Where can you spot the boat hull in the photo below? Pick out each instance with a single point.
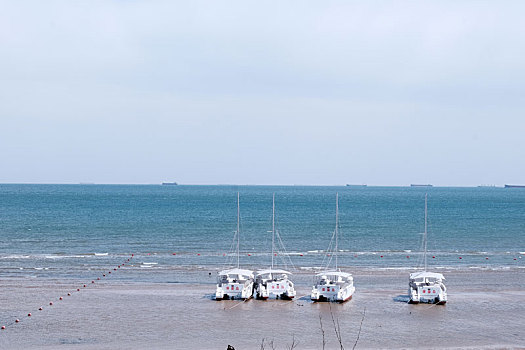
(339, 296)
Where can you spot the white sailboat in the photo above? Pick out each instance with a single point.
(235, 283)
(424, 286)
(274, 282)
(333, 285)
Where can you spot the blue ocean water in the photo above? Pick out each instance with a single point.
(64, 229)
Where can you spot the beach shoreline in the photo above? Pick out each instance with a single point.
(484, 311)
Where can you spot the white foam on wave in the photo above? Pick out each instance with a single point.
(101, 254)
(149, 263)
(16, 257)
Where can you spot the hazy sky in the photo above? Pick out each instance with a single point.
(262, 92)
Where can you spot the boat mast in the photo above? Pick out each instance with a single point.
(238, 228)
(425, 237)
(336, 226)
(273, 228)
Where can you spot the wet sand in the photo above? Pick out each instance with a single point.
(485, 310)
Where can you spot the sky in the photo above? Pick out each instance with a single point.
(262, 92)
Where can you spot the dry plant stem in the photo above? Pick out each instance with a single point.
(360, 326)
(322, 330)
(337, 329)
(294, 343)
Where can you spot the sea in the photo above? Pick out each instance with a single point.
(95, 267)
(67, 231)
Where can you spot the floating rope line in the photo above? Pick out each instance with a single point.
(41, 308)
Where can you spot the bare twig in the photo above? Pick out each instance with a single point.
(337, 329)
(322, 330)
(360, 326)
(294, 343)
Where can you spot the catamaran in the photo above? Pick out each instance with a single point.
(235, 283)
(424, 286)
(333, 285)
(274, 282)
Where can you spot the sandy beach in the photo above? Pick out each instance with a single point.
(485, 310)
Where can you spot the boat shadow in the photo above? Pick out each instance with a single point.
(402, 298)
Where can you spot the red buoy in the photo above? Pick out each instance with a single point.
(104, 275)
(109, 271)
(486, 258)
(98, 278)
(119, 266)
(249, 255)
(381, 256)
(198, 253)
(460, 257)
(40, 308)
(60, 298)
(51, 303)
(174, 253)
(68, 294)
(408, 256)
(3, 327)
(114, 269)
(132, 254)
(84, 286)
(433, 257)
(300, 254)
(17, 320)
(92, 281)
(78, 289)
(29, 315)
